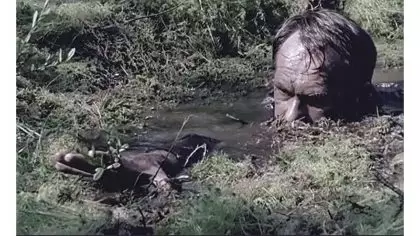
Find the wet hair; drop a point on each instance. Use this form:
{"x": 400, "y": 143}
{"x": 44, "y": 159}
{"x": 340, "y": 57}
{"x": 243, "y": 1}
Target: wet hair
{"x": 322, "y": 29}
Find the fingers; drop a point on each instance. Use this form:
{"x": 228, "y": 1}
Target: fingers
{"x": 72, "y": 162}
{"x": 72, "y": 157}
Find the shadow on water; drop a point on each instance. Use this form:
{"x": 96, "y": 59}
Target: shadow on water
{"x": 212, "y": 121}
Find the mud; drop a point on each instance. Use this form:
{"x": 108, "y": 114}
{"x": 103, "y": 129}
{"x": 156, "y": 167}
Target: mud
{"x": 238, "y": 125}
{"x": 213, "y": 120}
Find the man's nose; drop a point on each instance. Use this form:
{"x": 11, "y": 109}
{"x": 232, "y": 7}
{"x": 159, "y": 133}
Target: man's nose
{"x": 296, "y": 110}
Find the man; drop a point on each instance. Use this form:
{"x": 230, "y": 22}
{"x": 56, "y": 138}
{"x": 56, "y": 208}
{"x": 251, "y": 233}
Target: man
{"x": 324, "y": 63}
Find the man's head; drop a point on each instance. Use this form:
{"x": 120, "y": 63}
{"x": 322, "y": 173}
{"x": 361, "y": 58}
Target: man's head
{"x": 323, "y": 67}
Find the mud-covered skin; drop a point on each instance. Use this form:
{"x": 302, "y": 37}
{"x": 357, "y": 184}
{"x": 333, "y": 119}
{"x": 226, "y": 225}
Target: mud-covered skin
{"x": 324, "y": 63}
{"x": 389, "y": 97}
{"x": 145, "y": 160}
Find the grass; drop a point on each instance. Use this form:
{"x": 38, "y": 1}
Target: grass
{"x": 384, "y": 20}
{"x": 45, "y": 212}
{"x": 326, "y": 187}
{"x": 123, "y": 68}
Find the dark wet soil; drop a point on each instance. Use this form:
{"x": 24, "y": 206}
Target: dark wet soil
{"x": 215, "y": 121}
{"x": 238, "y": 125}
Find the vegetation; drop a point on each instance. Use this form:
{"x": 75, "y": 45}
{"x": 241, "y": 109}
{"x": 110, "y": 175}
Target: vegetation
{"x": 106, "y": 64}
{"x": 317, "y": 184}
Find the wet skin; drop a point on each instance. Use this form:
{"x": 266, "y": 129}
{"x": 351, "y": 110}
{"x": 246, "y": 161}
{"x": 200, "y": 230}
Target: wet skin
{"x": 158, "y": 163}
{"x": 133, "y": 163}
{"x": 308, "y": 88}
{"x": 300, "y": 91}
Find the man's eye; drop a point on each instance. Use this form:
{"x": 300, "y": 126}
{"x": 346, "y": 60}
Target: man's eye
{"x": 283, "y": 94}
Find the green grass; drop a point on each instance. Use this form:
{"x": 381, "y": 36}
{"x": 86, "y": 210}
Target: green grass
{"x": 384, "y": 20}
{"x": 124, "y": 68}
{"x": 323, "y": 188}
{"x": 55, "y": 209}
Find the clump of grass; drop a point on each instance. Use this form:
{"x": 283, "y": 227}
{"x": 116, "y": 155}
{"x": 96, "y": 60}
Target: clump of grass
{"x": 380, "y": 18}
{"x": 78, "y": 13}
{"x": 39, "y": 214}
{"x": 63, "y": 17}
{"x": 215, "y": 213}
{"x": 326, "y": 186}
{"x": 384, "y": 20}
{"x": 219, "y": 170}
{"x": 390, "y": 54}
{"x": 42, "y": 217}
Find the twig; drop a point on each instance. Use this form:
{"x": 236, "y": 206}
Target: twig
{"x": 143, "y": 218}
{"x": 396, "y": 190}
{"x": 169, "y": 151}
{"x": 236, "y": 119}
{"x": 69, "y": 168}
{"x": 207, "y": 24}
{"x": 99, "y": 115}
{"x": 125, "y": 71}
{"x": 166, "y": 157}
{"x": 152, "y": 15}
{"x": 204, "y": 146}
{"x": 382, "y": 180}
{"x": 38, "y": 145}
{"x": 27, "y": 130}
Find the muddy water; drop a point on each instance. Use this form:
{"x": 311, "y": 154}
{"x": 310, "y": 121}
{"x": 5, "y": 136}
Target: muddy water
{"x": 388, "y": 76}
{"x": 212, "y": 121}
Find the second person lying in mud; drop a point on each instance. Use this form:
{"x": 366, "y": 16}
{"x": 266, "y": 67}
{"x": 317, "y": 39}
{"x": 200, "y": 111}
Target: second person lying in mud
{"x": 139, "y": 163}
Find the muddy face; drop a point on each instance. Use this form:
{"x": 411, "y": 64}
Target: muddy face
{"x": 300, "y": 91}
{"x": 323, "y": 67}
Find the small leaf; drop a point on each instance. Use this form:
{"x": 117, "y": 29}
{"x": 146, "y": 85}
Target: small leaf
{"x": 112, "y": 149}
{"x": 98, "y": 174}
{"x": 91, "y": 153}
{"x": 71, "y": 54}
{"x": 35, "y": 17}
{"x": 46, "y": 12}
{"x": 60, "y": 55}
{"x": 113, "y": 166}
{"x": 116, "y": 165}
{"x": 183, "y": 177}
{"x": 47, "y": 59}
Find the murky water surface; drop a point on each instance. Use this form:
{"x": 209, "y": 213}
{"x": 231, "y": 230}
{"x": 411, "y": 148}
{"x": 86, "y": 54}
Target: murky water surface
{"x": 213, "y": 121}
{"x": 388, "y": 76}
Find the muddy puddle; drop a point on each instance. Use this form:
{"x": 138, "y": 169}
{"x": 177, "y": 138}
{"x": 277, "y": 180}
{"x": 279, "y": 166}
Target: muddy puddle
{"x": 213, "y": 121}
